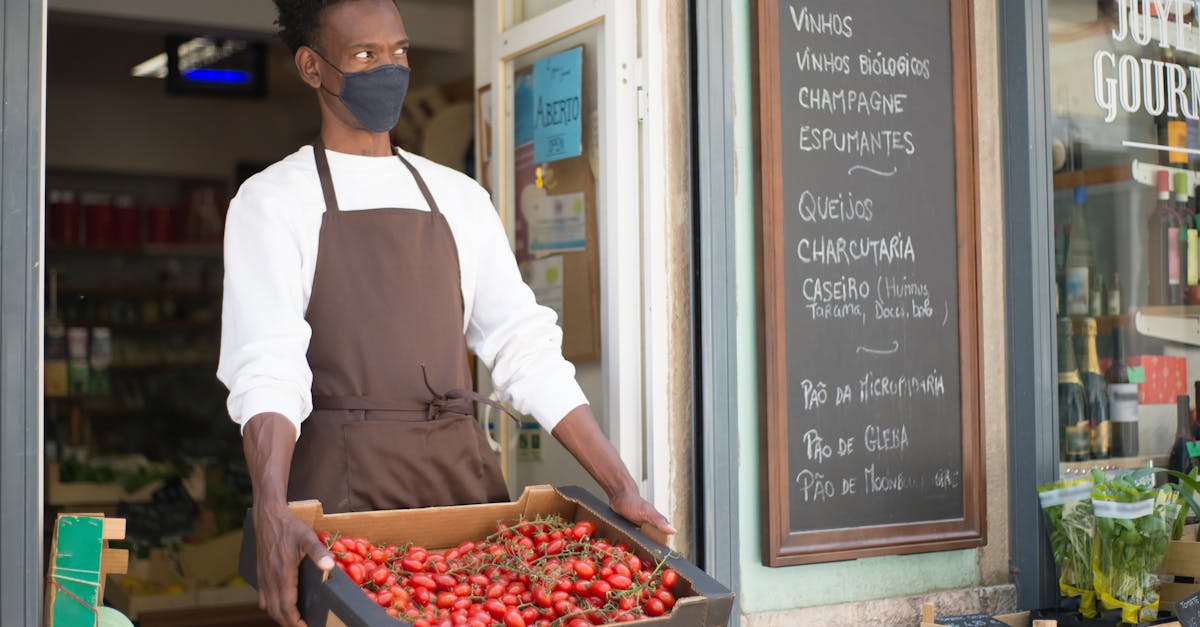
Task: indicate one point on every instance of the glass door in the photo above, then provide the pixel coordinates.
(558, 150)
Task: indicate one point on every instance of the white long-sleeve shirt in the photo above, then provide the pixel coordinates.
(271, 236)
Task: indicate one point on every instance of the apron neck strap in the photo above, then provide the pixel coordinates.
(420, 183)
(331, 203)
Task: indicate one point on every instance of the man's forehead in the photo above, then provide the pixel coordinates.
(362, 22)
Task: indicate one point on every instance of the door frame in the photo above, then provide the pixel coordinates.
(716, 346)
(1029, 264)
(22, 98)
(623, 332)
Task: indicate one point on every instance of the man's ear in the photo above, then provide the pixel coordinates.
(307, 64)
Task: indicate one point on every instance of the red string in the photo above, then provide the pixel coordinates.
(78, 600)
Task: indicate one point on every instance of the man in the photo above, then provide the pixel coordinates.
(356, 278)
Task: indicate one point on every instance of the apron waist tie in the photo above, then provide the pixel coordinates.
(458, 401)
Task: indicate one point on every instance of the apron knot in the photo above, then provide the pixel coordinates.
(457, 401)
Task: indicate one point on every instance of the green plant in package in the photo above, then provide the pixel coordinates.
(1134, 526)
(1068, 509)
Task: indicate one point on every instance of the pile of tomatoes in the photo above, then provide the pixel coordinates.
(546, 572)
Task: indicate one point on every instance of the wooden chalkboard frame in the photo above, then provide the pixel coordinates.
(780, 546)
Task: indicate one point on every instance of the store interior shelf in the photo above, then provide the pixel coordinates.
(1138, 171)
(156, 365)
(133, 291)
(1072, 470)
(1173, 323)
(1094, 176)
(162, 250)
(159, 326)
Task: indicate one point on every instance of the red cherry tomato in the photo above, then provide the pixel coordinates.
(664, 595)
(655, 607)
(585, 570)
(357, 573)
(514, 619)
(620, 582)
(670, 578)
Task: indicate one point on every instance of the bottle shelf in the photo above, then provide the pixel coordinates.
(1172, 323)
(1094, 176)
(1077, 470)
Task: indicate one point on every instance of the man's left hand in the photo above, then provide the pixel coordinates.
(639, 511)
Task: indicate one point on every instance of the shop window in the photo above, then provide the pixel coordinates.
(1125, 99)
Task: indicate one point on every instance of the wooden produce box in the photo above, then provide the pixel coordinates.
(198, 583)
(79, 562)
(80, 493)
(1182, 560)
(337, 602)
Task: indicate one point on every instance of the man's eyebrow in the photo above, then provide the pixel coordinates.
(403, 43)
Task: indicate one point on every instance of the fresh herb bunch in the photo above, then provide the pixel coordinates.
(1078, 527)
(1071, 524)
(1128, 550)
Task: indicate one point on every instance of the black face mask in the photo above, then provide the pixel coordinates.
(375, 96)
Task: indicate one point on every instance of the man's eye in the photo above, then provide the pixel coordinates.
(401, 52)
(365, 54)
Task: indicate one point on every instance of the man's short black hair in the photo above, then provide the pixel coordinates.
(299, 20)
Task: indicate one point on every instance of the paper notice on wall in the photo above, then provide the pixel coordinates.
(545, 277)
(558, 224)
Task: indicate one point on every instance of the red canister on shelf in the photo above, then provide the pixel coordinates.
(126, 232)
(98, 209)
(63, 218)
(159, 227)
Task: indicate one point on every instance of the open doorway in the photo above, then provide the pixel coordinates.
(154, 117)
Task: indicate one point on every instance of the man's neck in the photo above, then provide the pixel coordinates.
(338, 138)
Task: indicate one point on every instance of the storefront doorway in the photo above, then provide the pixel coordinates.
(139, 168)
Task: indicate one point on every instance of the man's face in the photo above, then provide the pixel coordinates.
(354, 36)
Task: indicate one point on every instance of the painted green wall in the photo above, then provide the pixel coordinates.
(772, 589)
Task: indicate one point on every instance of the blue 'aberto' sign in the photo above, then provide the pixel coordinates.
(558, 106)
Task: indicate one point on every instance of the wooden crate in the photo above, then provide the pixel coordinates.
(1182, 560)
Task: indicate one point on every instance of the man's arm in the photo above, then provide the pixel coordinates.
(580, 434)
(282, 539)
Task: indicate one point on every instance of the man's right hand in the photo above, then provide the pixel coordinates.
(282, 541)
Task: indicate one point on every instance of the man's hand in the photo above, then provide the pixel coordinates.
(580, 434)
(282, 541)
(639, 511)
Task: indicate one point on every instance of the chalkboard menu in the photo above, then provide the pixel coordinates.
(869, 299)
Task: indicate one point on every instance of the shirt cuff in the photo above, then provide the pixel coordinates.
(264, 400)
(553, 402)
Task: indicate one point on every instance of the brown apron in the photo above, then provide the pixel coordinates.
(393, 423)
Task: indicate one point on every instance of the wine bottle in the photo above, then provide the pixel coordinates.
(1161, 219)
(1074, 430)
(1095, 394)
(1114, 296)
(1181, 458)
(1177, 241)
(1122, 401)
(1096, 296)
(1079, 258)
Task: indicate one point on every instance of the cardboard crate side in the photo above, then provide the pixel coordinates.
(1172, 593)
(717, 597)
(1182, 559)
(432, 528)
